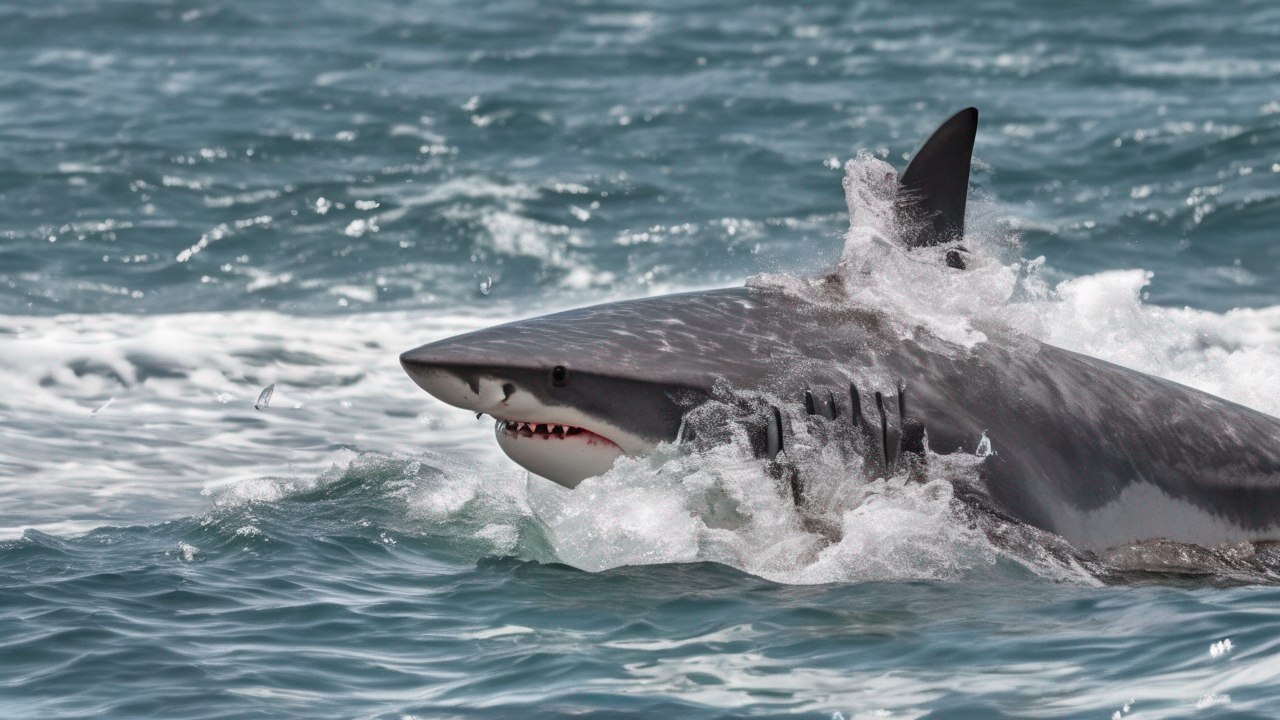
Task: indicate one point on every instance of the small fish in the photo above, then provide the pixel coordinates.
(103, 406)
(265, 397)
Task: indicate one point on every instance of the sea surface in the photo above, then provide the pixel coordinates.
(199, 200)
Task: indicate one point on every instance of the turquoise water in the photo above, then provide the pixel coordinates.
(199, 200)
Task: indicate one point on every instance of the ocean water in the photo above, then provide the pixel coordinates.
(198, 200)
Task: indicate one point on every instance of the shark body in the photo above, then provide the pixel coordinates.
(1095, 453)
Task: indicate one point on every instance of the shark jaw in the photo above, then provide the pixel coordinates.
(558, 442)
(564, 454)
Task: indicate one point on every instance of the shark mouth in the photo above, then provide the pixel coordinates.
(566, 454)
(545, 431)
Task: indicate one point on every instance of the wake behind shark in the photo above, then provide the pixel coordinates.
(1095, 453)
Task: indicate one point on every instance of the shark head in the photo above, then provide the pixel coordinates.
(574, 391)
(554, 415)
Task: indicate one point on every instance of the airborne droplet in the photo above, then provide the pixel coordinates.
(984, 447)
(265, 397)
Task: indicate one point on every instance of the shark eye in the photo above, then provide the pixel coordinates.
(559, 376)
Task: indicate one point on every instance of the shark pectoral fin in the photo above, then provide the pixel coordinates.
(935, 186)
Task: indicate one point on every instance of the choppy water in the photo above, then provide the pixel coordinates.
(198, 200)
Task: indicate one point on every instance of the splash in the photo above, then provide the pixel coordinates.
(1234, 355)
(720, 505)
(915, 288)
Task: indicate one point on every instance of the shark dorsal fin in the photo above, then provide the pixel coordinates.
(935, 185)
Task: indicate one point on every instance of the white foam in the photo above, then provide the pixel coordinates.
(1210, 700)
(182, 412)
(185, 552)
(1235, 355)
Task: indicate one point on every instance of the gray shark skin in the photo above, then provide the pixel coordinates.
(1095, 453)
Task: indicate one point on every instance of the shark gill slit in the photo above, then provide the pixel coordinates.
(884, 430)
(808, 403)
(855, 407)
(773, 434)
(788, 472)
(902, 421)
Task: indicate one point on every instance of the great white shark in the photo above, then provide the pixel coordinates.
(1098, 454)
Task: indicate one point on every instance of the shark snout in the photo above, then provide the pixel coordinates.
(449, 386)
(489, 390)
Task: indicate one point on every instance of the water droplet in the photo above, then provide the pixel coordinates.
(486, 285)
(265, 397)
(984, 447)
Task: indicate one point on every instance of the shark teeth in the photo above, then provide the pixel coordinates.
(542, 429)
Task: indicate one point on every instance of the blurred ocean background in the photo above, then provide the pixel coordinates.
(199, 199)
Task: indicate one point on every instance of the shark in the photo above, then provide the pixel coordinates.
(1092, 452)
